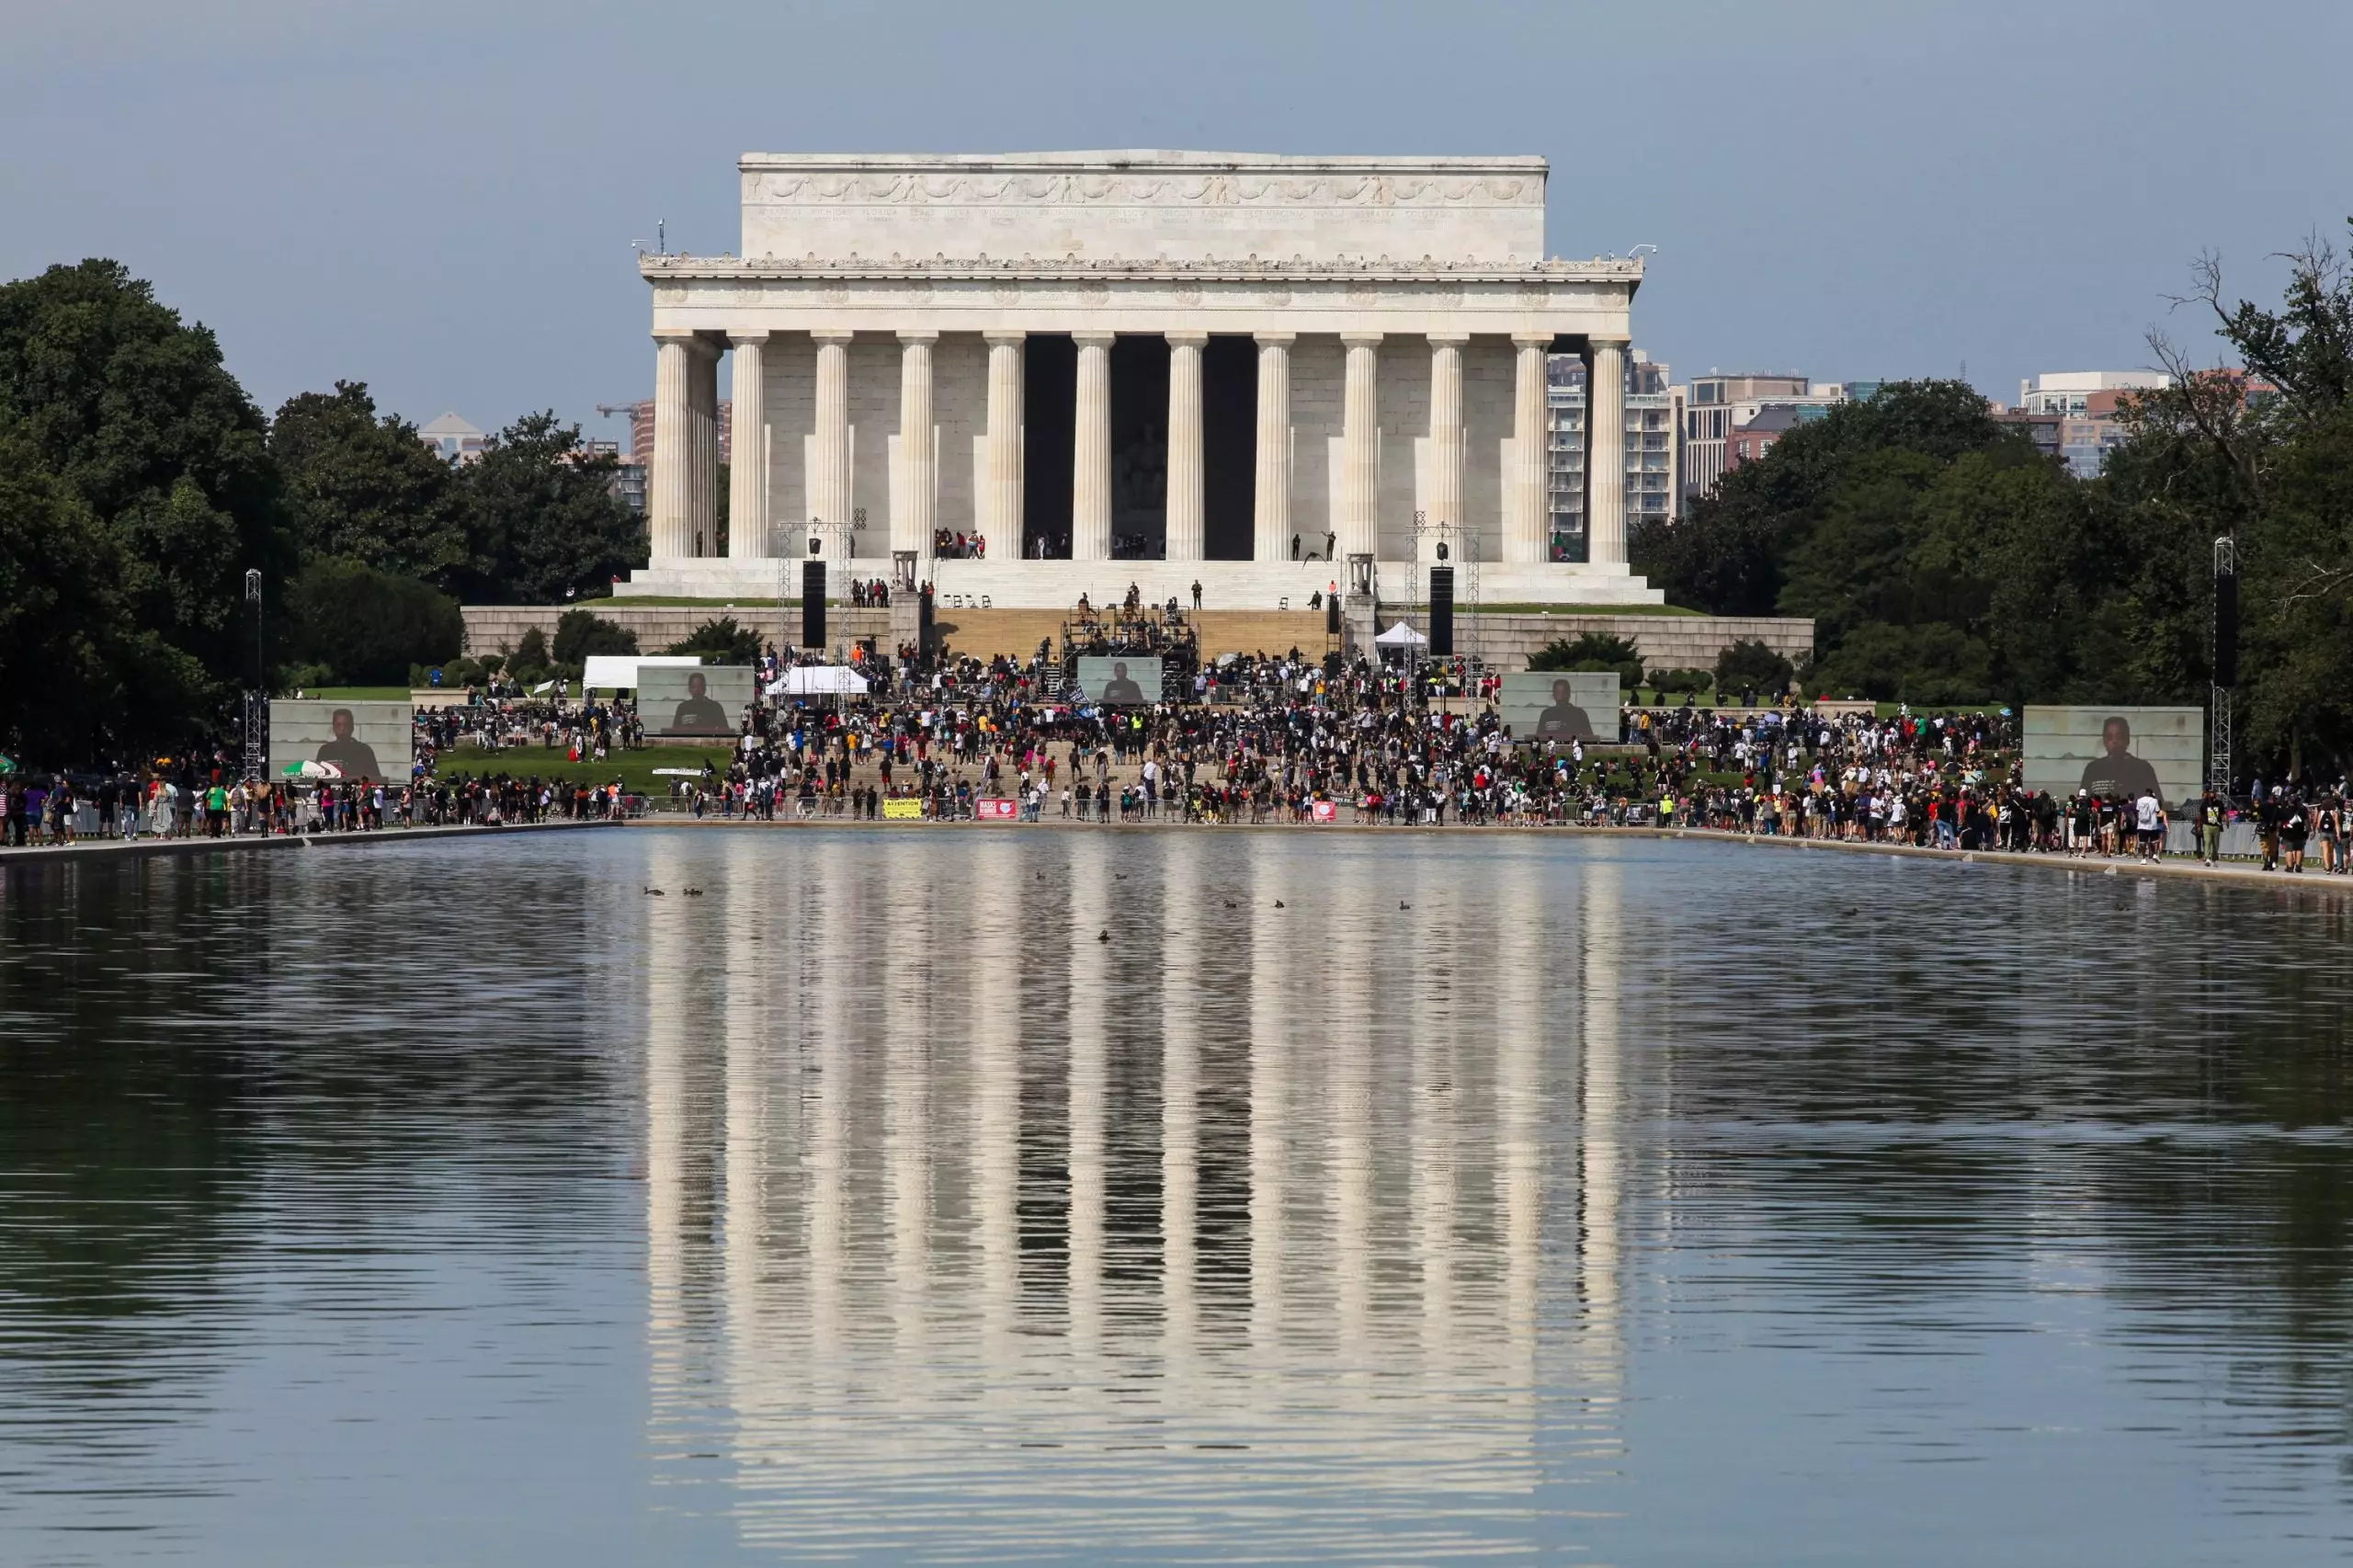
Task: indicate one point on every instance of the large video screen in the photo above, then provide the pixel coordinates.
(1561, 705)
(685, 701)
(365, 740)
(2123, 752)
(1119, 680)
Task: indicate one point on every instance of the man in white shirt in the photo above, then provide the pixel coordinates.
(2149, 819)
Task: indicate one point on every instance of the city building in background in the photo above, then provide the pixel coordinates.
(628, 484)
(1653, 426)
(1718, 405)
(455, 439)
(2084, 404)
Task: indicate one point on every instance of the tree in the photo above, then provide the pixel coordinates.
(364, 487)
(157, 468)
(542, 524)
(366, 626)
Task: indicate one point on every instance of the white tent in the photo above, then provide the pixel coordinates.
(819, 680)
(617, 672)
(1401, 636)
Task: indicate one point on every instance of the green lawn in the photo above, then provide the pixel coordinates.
(633, 769)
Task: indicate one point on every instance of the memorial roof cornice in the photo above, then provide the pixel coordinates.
(1071, 269)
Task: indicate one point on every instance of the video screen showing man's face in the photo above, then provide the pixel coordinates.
(1563, 720)
(700, 701)
(355, 758)
(2116, 772)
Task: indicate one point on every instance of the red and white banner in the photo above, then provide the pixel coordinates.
(996, 811)
(1325, 811)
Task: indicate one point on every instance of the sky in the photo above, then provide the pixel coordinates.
(443, 201)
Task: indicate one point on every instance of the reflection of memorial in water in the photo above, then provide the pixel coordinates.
(1232, 1213)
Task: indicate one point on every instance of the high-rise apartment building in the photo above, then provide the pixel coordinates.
(1653, 435)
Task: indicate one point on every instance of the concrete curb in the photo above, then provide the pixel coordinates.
(139, 848)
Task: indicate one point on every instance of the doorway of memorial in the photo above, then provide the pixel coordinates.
(1229, 447)
(1049, 443)
(1139, 449)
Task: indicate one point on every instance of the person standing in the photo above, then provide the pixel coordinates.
(2149, 825)
(2210, 827)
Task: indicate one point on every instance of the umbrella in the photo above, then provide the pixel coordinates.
(8, 764)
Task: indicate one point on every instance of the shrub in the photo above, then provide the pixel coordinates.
(459, 673)
(579, 633)
(367, 626)
(1752, 664)
(1591, 651)
(720, 642)
(530, 660)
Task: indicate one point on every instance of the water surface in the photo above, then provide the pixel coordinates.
(1024, 1195)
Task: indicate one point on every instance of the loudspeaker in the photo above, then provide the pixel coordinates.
(1441, 611)
(2226, 628)
(1332, 616)
(924, 633)
(813, 604)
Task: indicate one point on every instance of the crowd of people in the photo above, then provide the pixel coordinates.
(1245, 739)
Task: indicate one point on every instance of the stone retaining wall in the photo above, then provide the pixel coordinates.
(492, 629)
(1665, 642)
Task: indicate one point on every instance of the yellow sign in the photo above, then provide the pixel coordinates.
(902, 811)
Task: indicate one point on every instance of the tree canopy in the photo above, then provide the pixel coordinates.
(364, 487)
(139, 484)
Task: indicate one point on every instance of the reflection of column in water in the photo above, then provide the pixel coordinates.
(1180, 1082)
(1600, 1097)
(1430, 1179)
(666, 957)
(1521, 965)
(1090, 998)
(828, 996)
(744, 1036)
(995, 1026)
(906, 1021)
(1273, 1012)
(1350, 1050)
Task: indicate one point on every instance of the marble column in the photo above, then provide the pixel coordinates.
(1446, 428)
(1090, 529)
(1270, 497)
(670, 503)
(1185, 500)
(911, 519)
(747, 470)
(1360, 446)
(702, 448)
(1000, 514)
(1604, 454)
(829, 462)
(1528, 512)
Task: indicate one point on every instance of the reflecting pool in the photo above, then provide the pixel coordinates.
(1024, 1195)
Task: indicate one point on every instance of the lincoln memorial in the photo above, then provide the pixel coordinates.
(1030, 376)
